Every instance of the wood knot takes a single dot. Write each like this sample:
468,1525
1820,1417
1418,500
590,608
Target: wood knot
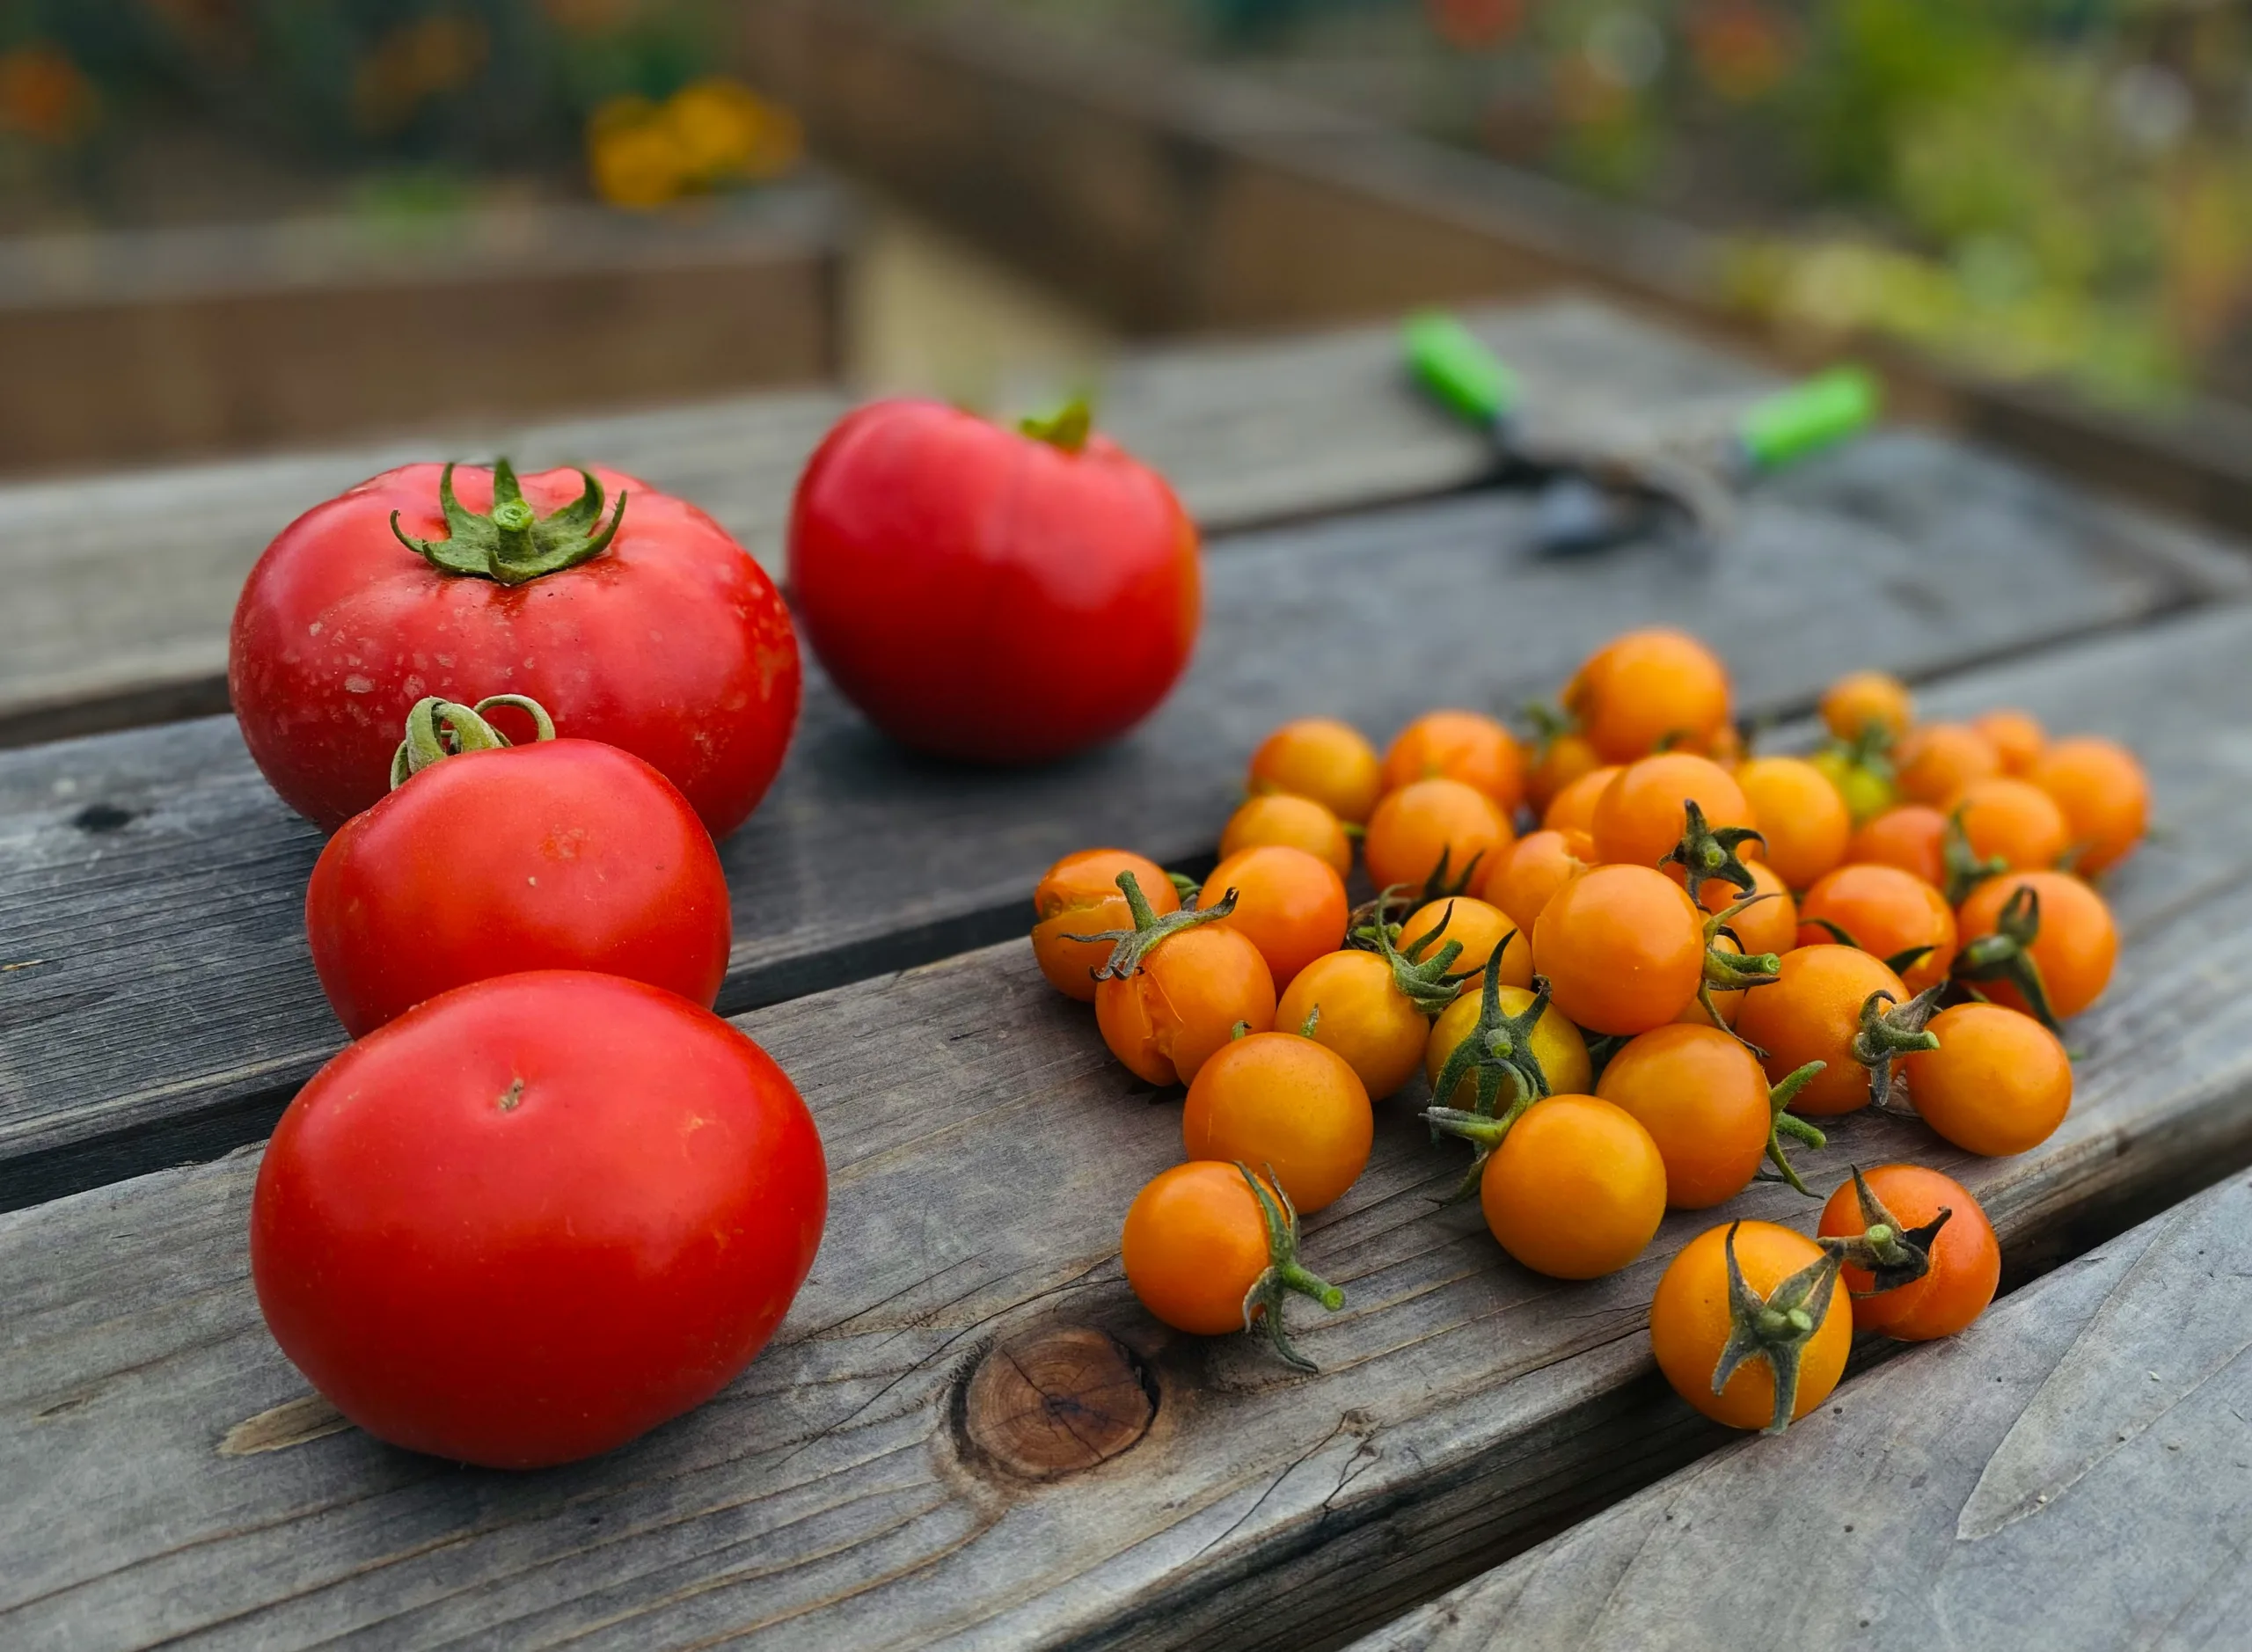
1057,1402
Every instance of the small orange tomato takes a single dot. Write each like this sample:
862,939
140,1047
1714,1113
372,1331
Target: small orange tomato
1647,689
1480,928
1458,746
1643,812
1623,948
2011,820
1290,904
1533,868
1886,912
2104,795
2017,738
1320,758
1573,809
1428,824
1934,761
1364,1016
1959,1264
2050,917
1577,1188
1813,1013
1290,823
1564,758
1208,1251
1701,1096
1285,1104
1912,837
1772,924
1998,1083
1799,813
1692,1319
1862,700
1727,748
1079,896
1555,1044
1181,1003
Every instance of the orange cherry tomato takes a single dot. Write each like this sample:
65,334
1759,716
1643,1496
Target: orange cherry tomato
1623,948
1364,1016
2013,821
1198,1244
1998,1083
1171,1015
1912,837
1727,748
1290,904
1556,1045
1642,812
1701,1096
1321,758
1690,1324
2017,738
1426,822
1533,868
1799,813
1079,896
1480,928
1577,1188
1283,1103
1886,912
1564,758
1573,809
1861,700
1645,689
1963,1257
1770,925
1290,822
1934,761
1458,746
2075,949
1813,1013
2104,795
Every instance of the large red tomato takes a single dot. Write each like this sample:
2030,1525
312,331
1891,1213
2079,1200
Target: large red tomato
561,855
989,594
663,638
535,1218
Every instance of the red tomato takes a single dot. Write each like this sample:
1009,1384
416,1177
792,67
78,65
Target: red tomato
986,593
562,855
535,1218
667,641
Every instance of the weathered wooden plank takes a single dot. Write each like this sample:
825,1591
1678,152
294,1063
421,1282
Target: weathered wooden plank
2076,1461
158,883
983,1149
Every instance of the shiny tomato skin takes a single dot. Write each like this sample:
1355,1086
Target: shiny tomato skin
983,594
1966,1258
672,643
535,1218
564,855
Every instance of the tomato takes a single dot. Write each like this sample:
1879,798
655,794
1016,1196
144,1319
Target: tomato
561,855
1802,818
1002,595
2013,822
1905,1223
1458,746
1646,690
1727,747
1704,1102
1533,868
1886,912
1563,757
1210,1248
1643,816
1865,701
1320,758
1998,1083
1935,761
1622,948
1176,991
2104,795
1824,1007
1505,1025
342,626
536,1216
1079,896
1796,1326
1290,904
1573,809
1866,786
1479,928
1912,837
1429,833
2017,738
2051,920
1574,1188
1769,925
1286,1104
1293,822
1358,1006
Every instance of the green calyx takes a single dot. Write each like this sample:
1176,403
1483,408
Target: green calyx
1131,945
1262,1304
1424,972
1889,1030
1962,870
1727,971
1890,1254
2007,954
1776,1327
1495,1057
1066,429
1782,1122
1441,886
438,728
512,544
1707,853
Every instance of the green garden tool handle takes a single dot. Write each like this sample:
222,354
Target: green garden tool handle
1792,423
1462,374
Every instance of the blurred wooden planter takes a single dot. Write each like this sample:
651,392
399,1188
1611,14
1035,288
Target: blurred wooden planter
129,346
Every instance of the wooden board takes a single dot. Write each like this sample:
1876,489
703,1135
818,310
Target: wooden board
158,883
2076,1461
983,1149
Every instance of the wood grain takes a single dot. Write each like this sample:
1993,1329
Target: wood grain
983,1150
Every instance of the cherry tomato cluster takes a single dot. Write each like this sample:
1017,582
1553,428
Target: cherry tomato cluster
1634,961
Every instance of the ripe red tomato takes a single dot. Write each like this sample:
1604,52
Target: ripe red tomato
535,1218
986,593
666,640
561,855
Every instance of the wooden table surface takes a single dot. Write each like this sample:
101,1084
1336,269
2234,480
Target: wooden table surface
169,1478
